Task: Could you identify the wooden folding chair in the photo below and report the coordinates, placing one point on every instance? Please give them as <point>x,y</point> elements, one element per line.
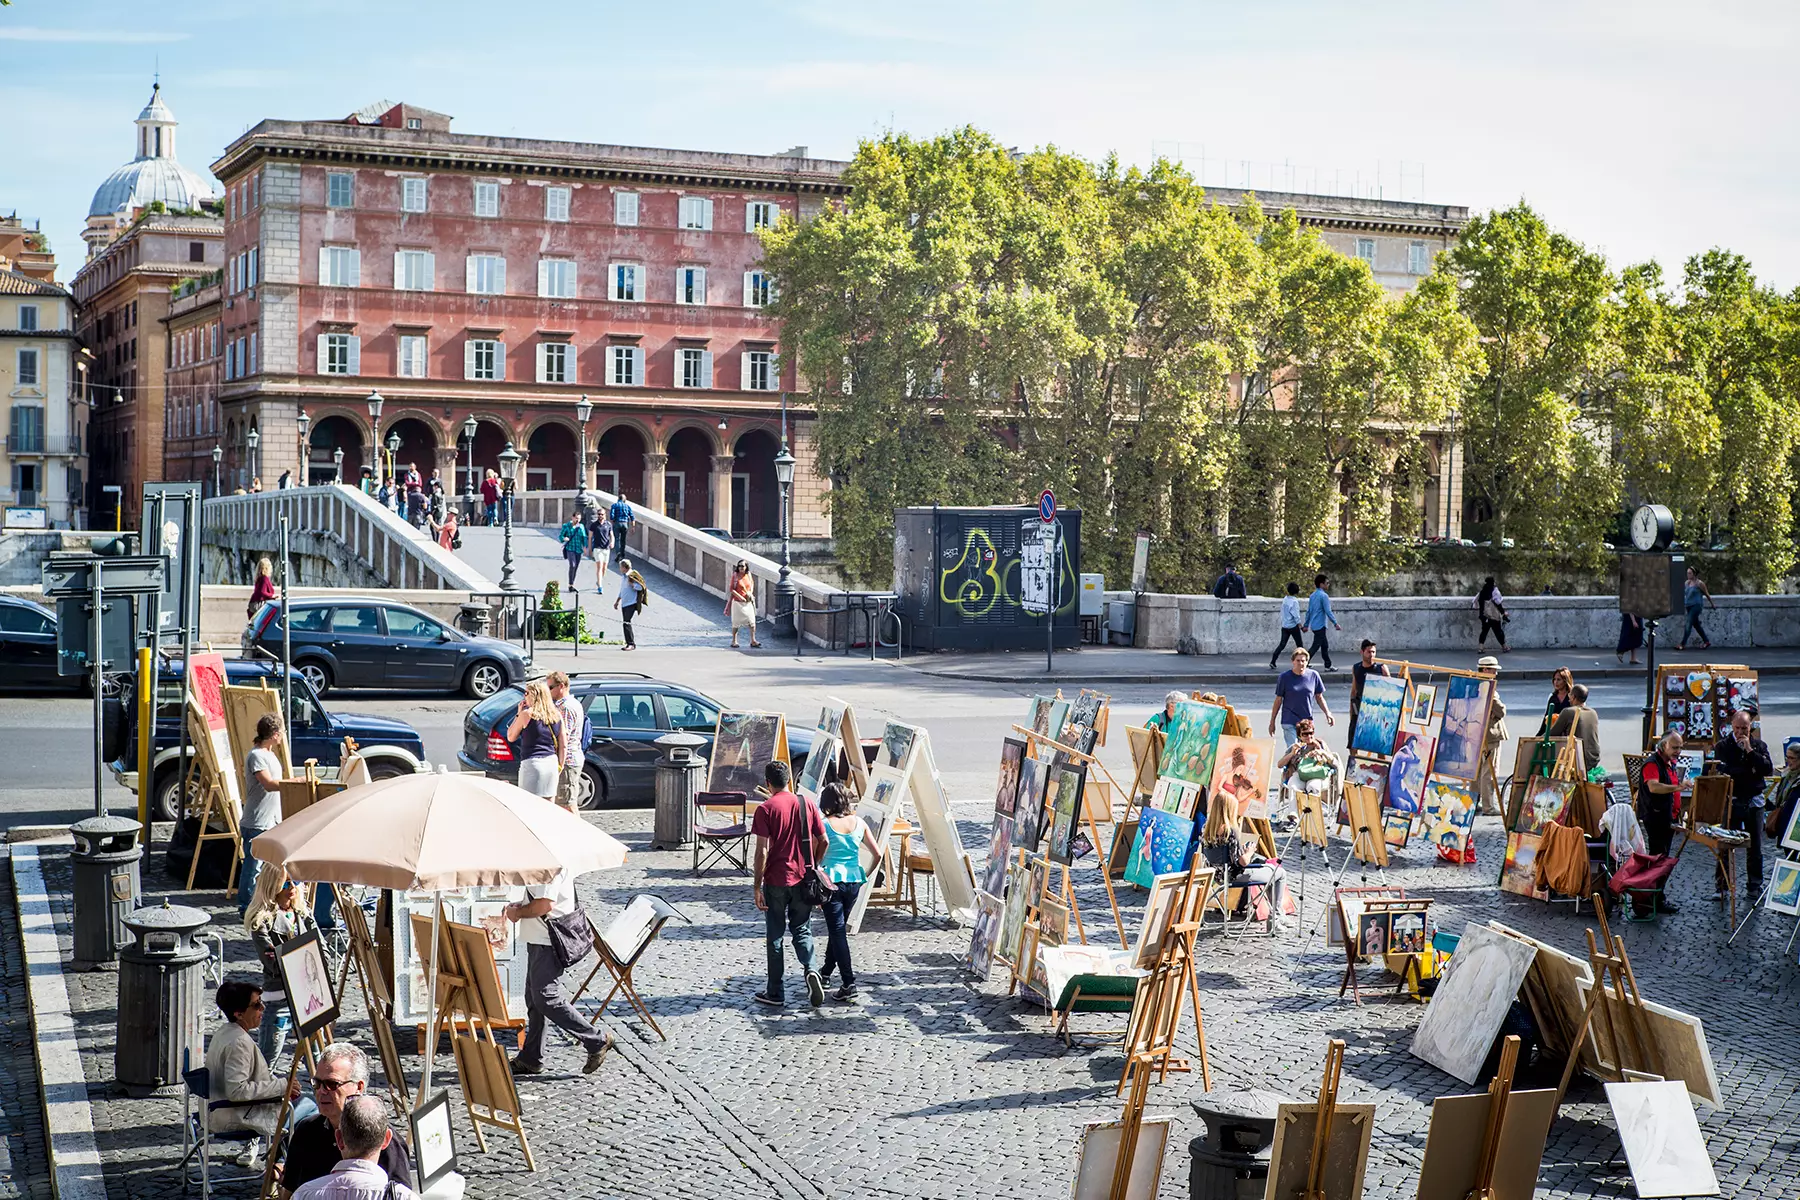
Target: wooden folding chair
<point>623,943</point>
<point>727,843</point>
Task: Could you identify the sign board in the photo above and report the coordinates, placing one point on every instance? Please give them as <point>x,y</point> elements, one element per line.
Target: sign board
<point>75,636</point>
<point>138,575</point>
<point>24,517</point>
<point>1650,584</point>
<point>171,529</point>
<point>1047,506</point>
<point>1140,564</point>
<point>1035,545</point>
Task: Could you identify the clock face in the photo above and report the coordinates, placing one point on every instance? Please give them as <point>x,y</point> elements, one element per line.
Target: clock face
<point>1643,528</point>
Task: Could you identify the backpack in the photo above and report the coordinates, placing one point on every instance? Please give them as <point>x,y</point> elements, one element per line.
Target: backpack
<point>587,732</point>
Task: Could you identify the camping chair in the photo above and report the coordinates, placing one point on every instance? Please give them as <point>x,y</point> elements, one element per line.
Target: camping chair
<point>197,1135</point>
<point>1116,994</point>
<point>721,843</point>
<point>623,943</point>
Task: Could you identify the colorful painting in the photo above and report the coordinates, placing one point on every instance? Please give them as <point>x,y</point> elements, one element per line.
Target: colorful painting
<point>1698,684</point>
<point>1193,742</point>
<point>1419,711</point>
<point>1065,808</point>
<point>896,745</point>
<point>1028,812</point>
<point>743,744</point>
<point>1676,707</point>
<point>1372,934</point>
<point>1517,876</point>
<point>1406,933</point>
<point>1544,802</point>
<point>1040,714</point>
<point>1006,792</point>
<point>1378,716</point>
<point>1012,923</point>
<point>1784,887</point>
<point>1675,685</point>
<point>1162,846</point>
<point>993,876</point>
<point>1700,721</point>
<point>1790,837</point>
<point>1242,768</point>
<point>1396,827</point>
<point>986,935</point>
<point>1740,694</point>
<point>1172,795</point>
<point>1363,773</point>
<point>1450,805</point>
<point>1466,703</point>
<point>831,717</point>
<point>1408,771</point>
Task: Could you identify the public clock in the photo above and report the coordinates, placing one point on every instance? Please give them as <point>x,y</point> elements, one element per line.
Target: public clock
<point>1652,527</point>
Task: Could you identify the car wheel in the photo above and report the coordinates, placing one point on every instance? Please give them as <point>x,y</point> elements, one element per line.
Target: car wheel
<point>164,794</point>
<point>316,674</point>
<point>386,768</point>
<point>484,679</point>
<point>591,792</point>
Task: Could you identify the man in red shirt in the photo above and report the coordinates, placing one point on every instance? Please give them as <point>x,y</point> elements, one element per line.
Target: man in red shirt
<point>1656,801</point>
<point>781,861</point>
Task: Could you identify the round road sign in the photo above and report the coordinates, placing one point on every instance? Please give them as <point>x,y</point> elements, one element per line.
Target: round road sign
<point>1047,506</point>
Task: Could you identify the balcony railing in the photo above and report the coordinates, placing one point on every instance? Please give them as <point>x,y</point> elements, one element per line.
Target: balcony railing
<point>53,445</point>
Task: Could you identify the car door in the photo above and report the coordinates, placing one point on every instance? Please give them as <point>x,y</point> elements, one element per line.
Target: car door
<point>631,729</point>
<point>356,640</point>
<point>311,735</point>
<point>420,656</point>
<point>27,648</point>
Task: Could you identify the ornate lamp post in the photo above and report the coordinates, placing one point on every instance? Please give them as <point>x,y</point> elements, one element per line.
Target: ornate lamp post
<point>583,410</point>
<point>375,434</point>
<point>784,586</point>
<point>305,423</point>
<point>469,429</point>
<point>218,457</point>
<point>253,439</point>
<point>337,461</point>
<point>509,465</point>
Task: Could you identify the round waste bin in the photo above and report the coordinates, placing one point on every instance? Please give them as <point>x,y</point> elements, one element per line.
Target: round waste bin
<point>1232,1161</point>
<point>105,861</point>
<point>678,774</point>
<point>161,997</point>
<point>476,619</point>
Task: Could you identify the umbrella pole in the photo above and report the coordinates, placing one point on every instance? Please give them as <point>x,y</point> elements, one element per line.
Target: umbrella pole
<point>431,964</point>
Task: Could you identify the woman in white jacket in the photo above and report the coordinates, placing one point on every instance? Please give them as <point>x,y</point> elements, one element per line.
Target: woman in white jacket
<point>238,1071</point>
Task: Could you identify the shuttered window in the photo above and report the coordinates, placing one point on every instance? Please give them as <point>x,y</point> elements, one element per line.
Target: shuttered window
<point>556,204</point>
<point>696,212</point>
<point>625,208</point>
<point>556,278</point>
<point>690,285</point>
<point>627,366</point>
<point>696,368</point>
<point>484,358</point>
<point>339,354</point>
<point>487,274</point>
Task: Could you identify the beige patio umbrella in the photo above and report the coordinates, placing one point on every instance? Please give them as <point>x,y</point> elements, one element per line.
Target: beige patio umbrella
<point>436,832</point>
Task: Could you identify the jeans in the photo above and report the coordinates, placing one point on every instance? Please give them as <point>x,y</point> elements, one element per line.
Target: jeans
<point>544,998</point>
<point>1694,627</point>
<point>251,868</point>
<point>788,912</point>
<point>573,558</point>
<point>620,529</point>
<point>490,513</point>
<point>1287,631</point>
<point>272,1032</point>
<point>1288,736</point>
<point>837,932</point>
<point>1321,647</point>
<point>1750,820</point>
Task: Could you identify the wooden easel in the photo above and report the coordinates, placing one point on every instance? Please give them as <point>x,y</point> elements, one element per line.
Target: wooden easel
<point>1368,842</point>
<point>1499,1093</point>
<point>1613,965</point>
<point>212,789</point>
<point>1353,952</point>
<point>1033,741</point>
<point>1328,1094</point>
<point>376,998</point>
<point>308,1049</point>
<point>1156,1016</point>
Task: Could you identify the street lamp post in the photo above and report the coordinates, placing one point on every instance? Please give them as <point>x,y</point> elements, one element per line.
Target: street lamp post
<point>305,475</point>
<point>253,439</point>
<point>583,410</point>
<point>509,464</point>
<point>337,462</point>
<point>784,586</point>
<point>375,434</point>
<point>218,457</point>
<point>469,430</point>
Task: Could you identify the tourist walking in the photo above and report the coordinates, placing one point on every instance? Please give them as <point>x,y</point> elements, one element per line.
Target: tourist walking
<point>573,720</point>
<point>1660,781</point>
<point>445,530</point>
<point>536,731</point>
<point>1562,684</point>
<point>1224,847</point>
<point>340,1074</point>
<point>1490,606</point>
<point>1361,669</point>
<point>621,516</point>
<point>262,800</point>
<point>1290,623</point>
<point>847,836</point>
<point>490,497</point>
<point>277,914</point>
<point>1319,615</point>
<point>740,604</point>
<point>1230,585</point>
<point>1631,636</point>
<point>545,1000</point>
<point>600,540</point>
<point>1296,690</point>
<point>780,824</point>
<point>633,595</point>
<point>1579,720</point>
<point>263,590</point>
<point>1745,758</point>
<point>1487,776</point>
<point>573,536</point>
<point>1696,597</point>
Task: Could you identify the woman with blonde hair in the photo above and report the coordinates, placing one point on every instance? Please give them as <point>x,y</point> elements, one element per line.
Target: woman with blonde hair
<point>277,914</point>
<point>536,731</point>
<point>263,590</point>
<point>1223,845</point>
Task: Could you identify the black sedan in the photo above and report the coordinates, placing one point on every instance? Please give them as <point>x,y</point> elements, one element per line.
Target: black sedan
<point>362,642</point>
<point>628,713</point>
<point>28,648</point>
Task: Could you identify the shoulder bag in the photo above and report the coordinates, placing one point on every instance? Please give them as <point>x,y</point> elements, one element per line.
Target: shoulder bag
<point>815,889</point>
<point>571,936</point>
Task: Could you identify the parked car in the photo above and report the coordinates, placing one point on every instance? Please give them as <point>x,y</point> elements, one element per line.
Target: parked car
<point>391,748</point>
<point>361,641</point>
<point>28,648</point>
<point>724,535</point>
<point>629,712</point>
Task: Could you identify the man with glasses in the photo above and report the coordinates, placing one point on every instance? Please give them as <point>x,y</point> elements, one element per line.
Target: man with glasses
<point>342,1071</point>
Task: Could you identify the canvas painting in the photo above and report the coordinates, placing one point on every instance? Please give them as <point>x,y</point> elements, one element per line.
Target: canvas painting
<point>819,762</point>
<point>1012,921</point>
<point>985,935</point>
<point>1006,791</point>
<point>1059,718</point>
<point>743,744</point>
<point>1098,1158</point>
<point>1517,876</point>
<point>1372,934</point>
<point>1164,891</point>
<point>1408,771</point>
<point>1040,715</point>
<point>1418,713</point>
<point>1406,933</point>
<point>831,717</point>
<point>1790,837</point>
<point>1052,930</point>
<point>1065,808</point>
<point>1675,684</point>
<point>1396,827</point>
<point>1028,812</point>
<point>1676,707</point>
<point>993,872</point>
<point>1471,1001</point>
<point>1466,703</point>
<point>1363,773</point>
<point>1740,694</point>
<point>1172,795</point>
<point>1662,1139</point>
<point>1242,768</point>
<point>1698,684</point>
<point>1378,717</point>
<point>1084,717</point>
<point>1450,803</point>
<point>879,809</point>
<point>1193,742</point>
<point>307,981</point>
<point>1784,887</point>
<point>1162,846</point>
<point>1545,800</point>
<point>896,745</point>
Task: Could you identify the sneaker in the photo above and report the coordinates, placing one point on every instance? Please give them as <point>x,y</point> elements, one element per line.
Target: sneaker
<point>1663,906</point>
<point>527,1068</point>
<point>815,988</point>
<point>846,994</point>
<point>1718,895</point>
<point>596,1057</point>
<point>771,1001</point>
<point>252,1155</point>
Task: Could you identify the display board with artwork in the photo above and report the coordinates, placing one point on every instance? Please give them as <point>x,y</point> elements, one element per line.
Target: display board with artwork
<point>1697,700</point>
<point>743,744</point>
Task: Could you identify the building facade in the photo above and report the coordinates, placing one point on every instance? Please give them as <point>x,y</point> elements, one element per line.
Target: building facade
<point>26,251</point>
<point>42,470</point>
<point>492,284</point>
<point>194,348</point>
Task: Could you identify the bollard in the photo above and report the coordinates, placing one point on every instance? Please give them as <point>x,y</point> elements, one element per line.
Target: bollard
<point>678,776</point>
<point>161,998</point>
<point>1232,1161</point>
<point>105,861</point>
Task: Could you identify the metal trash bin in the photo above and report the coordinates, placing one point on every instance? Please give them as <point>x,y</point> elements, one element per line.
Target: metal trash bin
<point>476,619</point>
<point>161,997</point>
<point>678,775</point>
<point>105,861</point>
<point>1232,1161</point>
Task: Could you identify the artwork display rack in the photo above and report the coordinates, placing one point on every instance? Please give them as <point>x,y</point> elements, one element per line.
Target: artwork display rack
<point>1554,758</point>
<point>1033,741</point>
<point>1615,965</point>
<point>1238,725</point>
<point>1029,938</point>
<point>1353,952</point>
<point>1717,671</point>
<point>214,797</point>
<point>1172,981</point>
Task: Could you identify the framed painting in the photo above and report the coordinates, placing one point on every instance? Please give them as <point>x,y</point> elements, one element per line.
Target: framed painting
<point>434,1141</point>
<point>985,936</point>
<point>1451,804</point>
<point>1419,708</point>
<point>1518,874</point>
<point>1378,716</point>
<point>1028,812</point>
<point>819,763</point>
<point>1242,768</point>
<point>1082,729</point>
<point>993,873</point>
<point>307,981</point>
<point>743,744</point>
<point>1065,809</point>
<point>896,746</point>
<point>1790,837</point>
<point>1408,771</point>
<point>1396,827</point>
<point>1192,743</point>
<point>1784,887</point>
<point>1372,934</point>
<point>1040,715</point>
<point>1466,703</point>
<point>1544,802</point>
<point>1406,933</point>
<point>1006,791</point>
<point>1012,918</point>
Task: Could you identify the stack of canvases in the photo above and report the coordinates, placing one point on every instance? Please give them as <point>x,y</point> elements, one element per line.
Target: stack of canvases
<point>1199,760</point>
<point>1544,803</point>
<point>1422,761</point>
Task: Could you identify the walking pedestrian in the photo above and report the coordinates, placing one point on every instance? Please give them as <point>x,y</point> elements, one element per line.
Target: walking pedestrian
<point>740,604</point>
<point>1562,685</point>
<point>277,914</point>
<point>780,823</point>
<point>536,731</point>
<point>621,516</point>
<point>574,721</point>
<point>573,537</point>
<point>1290,623</point>
<point>544,996</point>
<point>1656,797</point>
<point>1490,606</point>
<point>262,800</point>
<point>1631,636</point>
<point>1696,597</point>
<point>263,590</point>
<point>490,497</point>
<point>600,540</point>
<point>633,595</point>
<point>1745,758</point>
<point>847,836</point>
<point>1230,585</point>
<point>1319,615</point>
<point>1487,776</point>
<point>1296,689</point>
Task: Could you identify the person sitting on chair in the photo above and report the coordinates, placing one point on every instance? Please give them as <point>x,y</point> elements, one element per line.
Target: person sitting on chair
<point>1309,759</point>
<point>363,1136</point>
<point>1224,847</point>
<point>238,1072</point>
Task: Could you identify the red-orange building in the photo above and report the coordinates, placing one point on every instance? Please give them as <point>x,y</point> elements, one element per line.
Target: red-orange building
<point>503,279</point>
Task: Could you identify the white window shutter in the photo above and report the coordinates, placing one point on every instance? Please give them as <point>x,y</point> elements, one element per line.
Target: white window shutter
<point>399,269</point>
<point>574,278</point>
<point>706,375</point>
<point>500,277</point>
<point>355,269</point>
<point>542,355</point>
<point>356,356</point>
<point>681,285</point>
<point>744,371</point>
<point>700,284</point>
<point>324,358</point>
<point>749,286</point>
<point>706,214</point>
<point>468,358</point>
<point>750,217</point>
<point>324,268</point>
<point>543,281</point>
<point>499,359</point>
<point>637,366</point>
<point>469,280</point>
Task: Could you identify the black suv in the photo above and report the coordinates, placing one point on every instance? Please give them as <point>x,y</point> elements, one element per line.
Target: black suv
<point>391,748</point>
<point>629,712</point>
<point>28,648</point>
<point>361,642</point>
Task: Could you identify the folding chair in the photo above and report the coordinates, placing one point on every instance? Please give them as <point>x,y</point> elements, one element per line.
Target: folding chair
<point>728,844</point>
<point>623,943</point>
<point>197,1135</point>
<point>1116,994</point>
<point>914,864</point>
<point>1220,896</point>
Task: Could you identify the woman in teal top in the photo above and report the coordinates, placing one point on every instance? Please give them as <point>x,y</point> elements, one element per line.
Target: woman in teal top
<point>847,837</point>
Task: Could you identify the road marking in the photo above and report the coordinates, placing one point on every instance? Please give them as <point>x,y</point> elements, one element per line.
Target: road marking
<point>75,1169</point>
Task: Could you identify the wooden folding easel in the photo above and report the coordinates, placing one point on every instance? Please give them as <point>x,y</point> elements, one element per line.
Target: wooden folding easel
<point>1156,1016</point>
<point>377,999</point>
<point>1613,964</point>
<point>1033,741</point>
<point>1353,953</point>
<point>307,1049</point>
<point>212,792</point>
<point>1499,1094</point>
<point>1327,1109</point>
<point>245,705</point>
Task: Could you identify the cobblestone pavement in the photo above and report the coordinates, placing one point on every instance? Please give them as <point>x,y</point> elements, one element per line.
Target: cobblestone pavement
<point>937,1086</point>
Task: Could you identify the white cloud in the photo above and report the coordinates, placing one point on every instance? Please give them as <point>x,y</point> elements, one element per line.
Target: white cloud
<point>111,37</point>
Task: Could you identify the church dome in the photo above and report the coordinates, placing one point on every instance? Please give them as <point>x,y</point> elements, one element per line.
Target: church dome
<point>154,174</point>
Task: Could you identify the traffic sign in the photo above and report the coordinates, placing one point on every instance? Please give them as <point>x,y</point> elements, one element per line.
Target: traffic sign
<point>136,575</point>
<point>1047,506</point>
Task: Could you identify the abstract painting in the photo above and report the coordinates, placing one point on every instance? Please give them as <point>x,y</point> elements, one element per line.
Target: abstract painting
<point>1408,771</point>
<point>1396,827</point>
<point>986,934</point>
<point>1662,1139</point>
<point>1545,800</point>
<point>1472,999</point>
<point>1028,812</point>
<point>1784,887</point>
<point>1012,923</point>
<point>1450,806</point>
<point>1162,846</point>
<point>1466,703</point>
<point>896,745</point>
<point>1193,742</point>
<point>1740,694</point>
<point>1006,791</point>
<point>993,874</point>
<point>743,744</point>
<point>1242,769</point>
<point>1363,773</point>
<point>1518,876</point>
<point>1065,808</point>
<point>1378,716</point>
<point>1419,711</point>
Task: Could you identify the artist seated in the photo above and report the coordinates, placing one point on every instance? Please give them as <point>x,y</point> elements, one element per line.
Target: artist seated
<point>342,1071</point>
<point>1225,848</point>
<point>1309,760</point>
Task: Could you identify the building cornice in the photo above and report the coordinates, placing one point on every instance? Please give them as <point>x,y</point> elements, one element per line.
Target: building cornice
<point>354,390</point>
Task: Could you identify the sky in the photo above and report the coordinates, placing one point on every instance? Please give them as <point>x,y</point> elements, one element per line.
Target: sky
<point>1643,128</point>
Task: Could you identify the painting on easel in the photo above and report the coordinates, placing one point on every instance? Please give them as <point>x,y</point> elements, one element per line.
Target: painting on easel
<point>1378,715</point>
<point>1066,788</point>
<point>1006,791</point>
<point>743,744</point>
<point>1163,841</point>
<point>1466,704</point>
<point>1193,742</point>
<point>1028,812</point>
<point>1407,772</point>
<point>993,876</point>
<point>1242,769</point>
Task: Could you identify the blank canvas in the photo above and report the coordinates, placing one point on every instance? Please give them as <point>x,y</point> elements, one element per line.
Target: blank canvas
<point>1453,1145</point>
<point>1662,1139</point>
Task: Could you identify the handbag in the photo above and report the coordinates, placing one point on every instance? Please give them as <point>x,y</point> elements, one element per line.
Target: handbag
<point>571,937</point>
<point>815,889</point>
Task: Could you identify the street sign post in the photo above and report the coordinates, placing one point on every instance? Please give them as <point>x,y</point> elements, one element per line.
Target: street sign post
<point>1047,515</point>
<point>137,575</point>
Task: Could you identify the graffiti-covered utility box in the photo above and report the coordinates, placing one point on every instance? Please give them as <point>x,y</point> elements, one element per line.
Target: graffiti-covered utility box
<point>958,572</point>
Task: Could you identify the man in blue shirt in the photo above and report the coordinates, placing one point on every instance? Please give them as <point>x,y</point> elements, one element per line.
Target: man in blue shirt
<point>1319,615</point>
<point>621,516</point>
<point>1295,691</point>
